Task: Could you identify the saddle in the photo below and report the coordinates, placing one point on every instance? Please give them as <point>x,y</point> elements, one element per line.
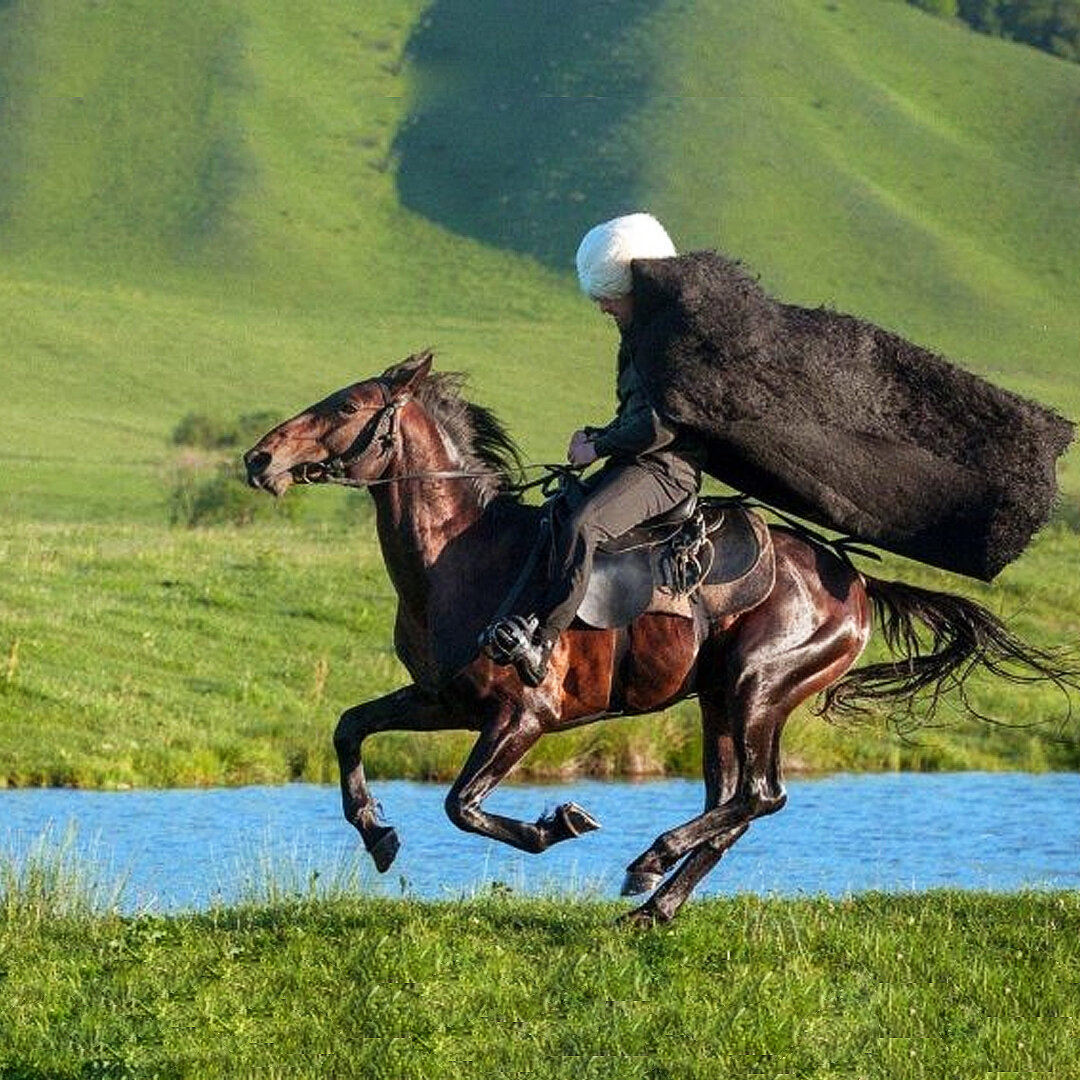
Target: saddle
<point>711,550</point>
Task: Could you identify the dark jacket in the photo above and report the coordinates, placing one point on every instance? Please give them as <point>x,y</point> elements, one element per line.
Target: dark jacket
<point>639,434</point>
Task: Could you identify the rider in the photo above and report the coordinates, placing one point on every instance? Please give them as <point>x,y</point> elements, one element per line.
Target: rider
<point>649,467</point>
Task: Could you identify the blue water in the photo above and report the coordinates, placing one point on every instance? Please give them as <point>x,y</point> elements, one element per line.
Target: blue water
<point>190,849</point>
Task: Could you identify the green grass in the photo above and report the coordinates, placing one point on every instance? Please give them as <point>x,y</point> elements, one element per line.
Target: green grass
<point>939,985</point>
<point>231,208</point>
<point>133,655</point>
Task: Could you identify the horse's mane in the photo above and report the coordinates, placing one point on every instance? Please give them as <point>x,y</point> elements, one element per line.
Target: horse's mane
<point>485,446</point>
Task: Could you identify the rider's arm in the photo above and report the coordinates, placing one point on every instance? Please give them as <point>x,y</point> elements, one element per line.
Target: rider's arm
<point>636,429</point>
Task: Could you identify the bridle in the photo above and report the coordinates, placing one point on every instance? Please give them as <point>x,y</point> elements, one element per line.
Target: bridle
<point>381,430</point>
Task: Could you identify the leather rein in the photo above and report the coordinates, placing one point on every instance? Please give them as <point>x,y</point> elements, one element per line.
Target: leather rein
<point>382,430</point>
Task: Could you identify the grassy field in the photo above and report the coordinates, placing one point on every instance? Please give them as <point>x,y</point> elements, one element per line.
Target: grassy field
<point>939,985</point>
<point>156,656</point>
<point>227,208</point>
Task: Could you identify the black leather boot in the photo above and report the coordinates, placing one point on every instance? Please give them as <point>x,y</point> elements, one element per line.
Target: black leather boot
<point>532,661</point>
<point>517,640</point>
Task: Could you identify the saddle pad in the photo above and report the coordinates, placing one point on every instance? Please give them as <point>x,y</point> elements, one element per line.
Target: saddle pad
<point>625,585</point>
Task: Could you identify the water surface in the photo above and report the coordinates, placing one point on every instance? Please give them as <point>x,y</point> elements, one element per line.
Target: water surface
<point>189,849</point>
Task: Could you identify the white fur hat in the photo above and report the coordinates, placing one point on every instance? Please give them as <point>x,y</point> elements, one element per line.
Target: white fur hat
<point>605,252</point>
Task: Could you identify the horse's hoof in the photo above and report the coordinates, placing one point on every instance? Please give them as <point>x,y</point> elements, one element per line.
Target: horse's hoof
<point>384,850</point>
<point>575,820</point>
<point>642,918</point>
<point>638,882</point>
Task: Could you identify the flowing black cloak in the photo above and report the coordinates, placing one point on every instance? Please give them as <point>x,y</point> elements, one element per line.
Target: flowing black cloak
<point>842,423</point>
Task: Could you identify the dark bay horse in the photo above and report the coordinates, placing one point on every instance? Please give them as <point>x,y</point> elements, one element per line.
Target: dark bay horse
<point>454,534</point>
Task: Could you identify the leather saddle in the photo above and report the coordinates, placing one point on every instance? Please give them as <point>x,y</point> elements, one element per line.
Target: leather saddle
<point>710,550</point>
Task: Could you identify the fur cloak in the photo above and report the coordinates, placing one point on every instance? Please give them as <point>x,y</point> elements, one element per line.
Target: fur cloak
<point>842,423</point>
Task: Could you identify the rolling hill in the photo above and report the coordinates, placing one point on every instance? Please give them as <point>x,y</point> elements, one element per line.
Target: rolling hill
<point>236,207</point>
<point>230,208</point>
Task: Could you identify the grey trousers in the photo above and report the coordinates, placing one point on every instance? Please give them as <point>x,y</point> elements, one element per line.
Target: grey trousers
<point>616,499</point>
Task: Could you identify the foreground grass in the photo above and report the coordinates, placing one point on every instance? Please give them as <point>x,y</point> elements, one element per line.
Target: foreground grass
<point>134,656</point>
<point>939,985</point>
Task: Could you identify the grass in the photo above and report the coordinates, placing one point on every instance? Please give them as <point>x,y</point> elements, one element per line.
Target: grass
<point>133,656</point>
<point>230,209</point>
<point>938,985</point>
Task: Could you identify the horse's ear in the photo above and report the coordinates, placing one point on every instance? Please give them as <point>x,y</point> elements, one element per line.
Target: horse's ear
<point>401,378</point>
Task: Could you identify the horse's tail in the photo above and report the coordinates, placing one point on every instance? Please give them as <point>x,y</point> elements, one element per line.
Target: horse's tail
<point>962,636</point>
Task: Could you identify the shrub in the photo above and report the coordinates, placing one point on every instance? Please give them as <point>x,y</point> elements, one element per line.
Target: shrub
<point>946,9</point>
<point>1067,513</point>
<point>217,494</point>
<point>199,430</point>
<point>208,485</point>
<point>212,433</point>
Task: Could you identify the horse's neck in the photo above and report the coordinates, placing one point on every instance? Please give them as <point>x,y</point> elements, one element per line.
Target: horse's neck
<point>419,512</point>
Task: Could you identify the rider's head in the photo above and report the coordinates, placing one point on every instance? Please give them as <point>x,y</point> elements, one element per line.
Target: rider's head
<point>606,251</point>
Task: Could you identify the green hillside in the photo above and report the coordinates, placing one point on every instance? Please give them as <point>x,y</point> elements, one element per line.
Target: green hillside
<point>227,208</point>
<point>233,207</point>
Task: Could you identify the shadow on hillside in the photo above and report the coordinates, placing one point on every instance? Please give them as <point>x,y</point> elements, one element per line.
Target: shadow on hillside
<point>515,137</point>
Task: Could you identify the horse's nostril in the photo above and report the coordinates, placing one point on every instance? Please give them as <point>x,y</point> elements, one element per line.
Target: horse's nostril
<point>257,461</point>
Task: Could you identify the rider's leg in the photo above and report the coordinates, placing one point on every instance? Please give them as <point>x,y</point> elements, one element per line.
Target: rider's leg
<point>619,497</point>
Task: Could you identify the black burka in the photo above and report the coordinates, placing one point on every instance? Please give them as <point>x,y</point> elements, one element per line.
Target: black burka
<point>842,423</point>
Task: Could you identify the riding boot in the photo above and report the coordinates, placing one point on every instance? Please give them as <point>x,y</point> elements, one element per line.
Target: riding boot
<point>519,640</point>
<point>532,662</point>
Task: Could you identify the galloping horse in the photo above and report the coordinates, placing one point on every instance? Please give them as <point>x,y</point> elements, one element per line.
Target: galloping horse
<point>454,534</point>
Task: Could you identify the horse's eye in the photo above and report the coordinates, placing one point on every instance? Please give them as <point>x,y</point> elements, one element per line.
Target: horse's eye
<point>348,408</point>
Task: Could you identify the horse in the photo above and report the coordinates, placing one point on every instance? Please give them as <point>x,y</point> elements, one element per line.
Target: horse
<point>455,531</point>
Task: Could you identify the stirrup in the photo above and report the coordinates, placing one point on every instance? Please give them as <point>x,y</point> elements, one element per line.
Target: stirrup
<point>506,640</point>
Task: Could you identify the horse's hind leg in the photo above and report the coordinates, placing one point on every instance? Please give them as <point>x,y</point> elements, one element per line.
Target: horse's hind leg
<point>773,678</point>
<point>501,746</point>
<point>665,902</point>
<point>404,710</point>
<point>721,769</point>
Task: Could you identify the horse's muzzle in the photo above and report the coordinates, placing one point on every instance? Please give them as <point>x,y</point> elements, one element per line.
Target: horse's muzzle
<point>262,475</point>
<point>256,462</point>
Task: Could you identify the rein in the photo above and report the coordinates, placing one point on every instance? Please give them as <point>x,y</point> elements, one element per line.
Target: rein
<point>551,472</point>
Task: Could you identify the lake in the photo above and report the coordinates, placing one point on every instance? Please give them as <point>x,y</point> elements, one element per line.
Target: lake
<point>190,849</point>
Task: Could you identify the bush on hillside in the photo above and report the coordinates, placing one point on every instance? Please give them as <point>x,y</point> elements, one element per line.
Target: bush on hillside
<point>947,9</point>
<point>208,486</point>
<point>199,430</point>
<point>217,494</point>
<point>1067,513</point>
<point>1050,25</point>
<point>212,433</point>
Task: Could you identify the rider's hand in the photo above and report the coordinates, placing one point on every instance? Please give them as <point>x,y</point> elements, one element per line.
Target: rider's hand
<point>581,451</point>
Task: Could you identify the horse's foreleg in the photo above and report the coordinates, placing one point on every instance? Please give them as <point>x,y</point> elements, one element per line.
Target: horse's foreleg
<point>500,747</point>
<point>404,710</point>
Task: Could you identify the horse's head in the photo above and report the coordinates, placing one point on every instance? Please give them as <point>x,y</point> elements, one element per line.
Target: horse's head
<point>351,433</point>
